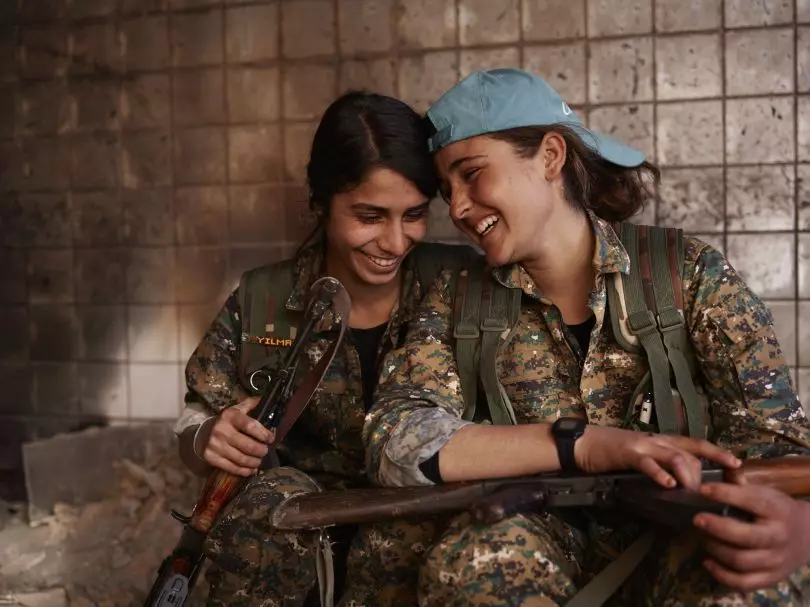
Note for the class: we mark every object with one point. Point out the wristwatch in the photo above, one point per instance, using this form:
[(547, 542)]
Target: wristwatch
[(566, 431)]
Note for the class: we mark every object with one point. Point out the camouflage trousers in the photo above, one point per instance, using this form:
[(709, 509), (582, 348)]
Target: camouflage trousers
[(253, 564), (541, 560)]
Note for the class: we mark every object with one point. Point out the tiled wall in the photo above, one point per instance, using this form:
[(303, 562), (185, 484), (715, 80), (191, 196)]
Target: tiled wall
[(152, 149)]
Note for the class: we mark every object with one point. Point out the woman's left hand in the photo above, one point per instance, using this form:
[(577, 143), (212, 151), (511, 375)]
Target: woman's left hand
[(754, 555)]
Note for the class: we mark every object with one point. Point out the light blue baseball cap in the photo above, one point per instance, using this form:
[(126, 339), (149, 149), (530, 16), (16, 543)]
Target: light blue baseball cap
[(500, 99)]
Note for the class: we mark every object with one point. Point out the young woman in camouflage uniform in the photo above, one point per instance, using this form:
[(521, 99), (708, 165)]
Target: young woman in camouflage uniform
[(536, 190), (371, 179)]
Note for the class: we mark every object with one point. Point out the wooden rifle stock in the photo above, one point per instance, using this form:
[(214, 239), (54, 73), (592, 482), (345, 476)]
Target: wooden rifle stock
[(493, 499)]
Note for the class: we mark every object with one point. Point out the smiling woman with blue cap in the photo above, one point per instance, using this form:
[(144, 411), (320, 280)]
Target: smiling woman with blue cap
[(587, 344)]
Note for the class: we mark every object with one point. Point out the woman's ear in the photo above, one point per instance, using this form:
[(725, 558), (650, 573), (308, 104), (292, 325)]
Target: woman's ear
[(552, 154)]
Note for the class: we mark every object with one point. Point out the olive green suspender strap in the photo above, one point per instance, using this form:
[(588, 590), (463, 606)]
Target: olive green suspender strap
[(647, 310), (466, 332), (666, 246), (500, 308), (484, 312)]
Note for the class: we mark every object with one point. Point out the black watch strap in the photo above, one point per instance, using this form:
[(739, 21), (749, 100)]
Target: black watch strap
[(565, 451), (566, 431)]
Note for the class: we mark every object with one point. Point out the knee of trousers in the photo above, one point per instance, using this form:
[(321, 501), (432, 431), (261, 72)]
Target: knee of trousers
[(244, 530), (515, 552)]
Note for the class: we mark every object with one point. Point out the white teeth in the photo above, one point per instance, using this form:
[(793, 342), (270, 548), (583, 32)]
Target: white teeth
[(383, 262), (485, 225)]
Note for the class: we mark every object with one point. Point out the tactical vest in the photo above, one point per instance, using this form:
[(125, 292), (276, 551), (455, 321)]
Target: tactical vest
[(646, 315), (269, 327)]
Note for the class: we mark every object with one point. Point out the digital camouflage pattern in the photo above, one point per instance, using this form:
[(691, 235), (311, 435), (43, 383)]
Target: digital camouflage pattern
[(255, 565), (752, 403), (252, 564)]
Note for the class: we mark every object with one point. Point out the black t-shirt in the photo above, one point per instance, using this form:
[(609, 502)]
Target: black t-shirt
[(582, 332), (367, 342)]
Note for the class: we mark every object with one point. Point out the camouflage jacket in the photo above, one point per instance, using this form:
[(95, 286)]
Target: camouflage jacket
[(326, 440), (752, 402)]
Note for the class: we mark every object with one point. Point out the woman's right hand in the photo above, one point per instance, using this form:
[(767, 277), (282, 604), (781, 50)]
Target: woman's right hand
[(237, 443), (667, 459)]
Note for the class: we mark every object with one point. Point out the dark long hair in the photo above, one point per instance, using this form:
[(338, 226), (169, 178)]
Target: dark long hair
[(358, 132), (612, 192)]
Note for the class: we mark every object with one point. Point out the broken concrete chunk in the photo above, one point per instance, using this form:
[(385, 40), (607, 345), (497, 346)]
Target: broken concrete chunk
[(79, 467)]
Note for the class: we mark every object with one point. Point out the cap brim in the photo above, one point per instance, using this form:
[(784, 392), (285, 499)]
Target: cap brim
[(610, 149)]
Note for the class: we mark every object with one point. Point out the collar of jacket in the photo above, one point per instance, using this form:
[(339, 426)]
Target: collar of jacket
[(309, 266), (609, 257)]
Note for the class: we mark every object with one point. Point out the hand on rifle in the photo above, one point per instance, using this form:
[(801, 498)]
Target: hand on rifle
[(237, 443), (748, 556), (667, 459)]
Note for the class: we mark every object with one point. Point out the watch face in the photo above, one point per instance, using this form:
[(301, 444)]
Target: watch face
[(569, 427)]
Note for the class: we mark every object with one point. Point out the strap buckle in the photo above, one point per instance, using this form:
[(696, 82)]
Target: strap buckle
[(670, 319), (497, 324), (465, 330), (642, 323)]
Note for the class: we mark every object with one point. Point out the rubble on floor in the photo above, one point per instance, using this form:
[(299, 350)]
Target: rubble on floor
[(105, 552)]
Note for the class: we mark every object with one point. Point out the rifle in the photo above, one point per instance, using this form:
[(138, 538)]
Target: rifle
[(278, 409), (492, 500)]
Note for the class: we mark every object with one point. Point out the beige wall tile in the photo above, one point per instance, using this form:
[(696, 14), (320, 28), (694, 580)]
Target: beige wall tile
[(630, 124), (620, 70), (619, 17), (365, 25), (759, 62), (745, 13), (251, 33), (427, 24), (562, 65), (308, 90), (687, 15), (760, 198), (773, 280), (487, 22), (690, 133), (422, 79), (553, 19), (307, 28), (692, 199), (254, 153), (759, 130), (688, 66)]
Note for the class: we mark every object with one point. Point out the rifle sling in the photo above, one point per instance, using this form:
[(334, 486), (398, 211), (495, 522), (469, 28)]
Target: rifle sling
[(601, 588), (301, 397)]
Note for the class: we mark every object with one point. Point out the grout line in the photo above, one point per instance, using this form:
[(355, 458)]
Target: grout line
[(723, 105), (173, 196), (521, 42), (796, 239), (654, 46), (226, 79)]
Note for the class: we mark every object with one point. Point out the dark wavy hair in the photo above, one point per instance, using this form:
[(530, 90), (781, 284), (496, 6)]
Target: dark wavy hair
[(612, 192), (358, 132)]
